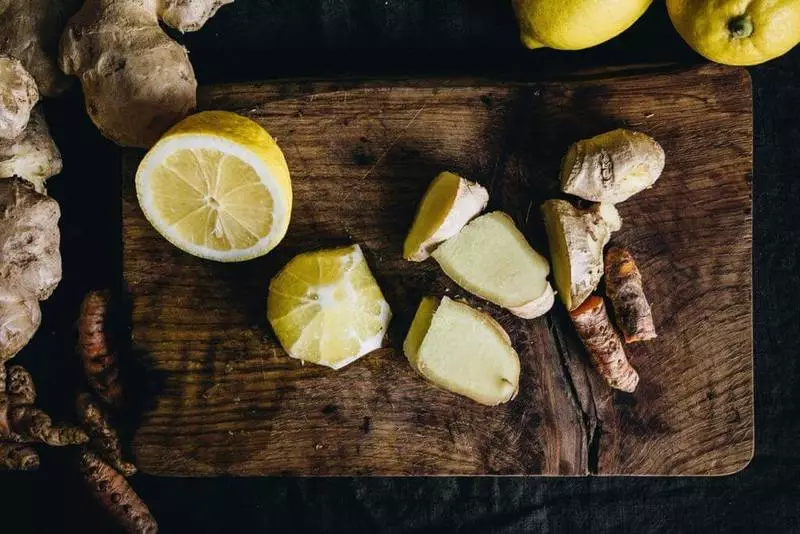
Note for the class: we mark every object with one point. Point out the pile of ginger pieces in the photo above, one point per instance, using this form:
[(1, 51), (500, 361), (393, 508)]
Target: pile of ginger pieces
[(487, 256), (137, 82)]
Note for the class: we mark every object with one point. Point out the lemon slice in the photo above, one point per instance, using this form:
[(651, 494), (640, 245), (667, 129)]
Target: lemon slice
[(217, 186), (326, 307)]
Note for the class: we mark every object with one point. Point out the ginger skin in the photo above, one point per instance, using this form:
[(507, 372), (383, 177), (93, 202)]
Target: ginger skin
[(103, 437), (188, 15), (603, 344), (20, 318), (30, 261), (576, 239), (137, 81), (34, 156), (99, 361), (612, 167), (116, 496), (18, 95), (626, 293), (29, 31)]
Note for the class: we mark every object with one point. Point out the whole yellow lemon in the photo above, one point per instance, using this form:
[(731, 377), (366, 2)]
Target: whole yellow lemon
[(737, 32), (575, 24)]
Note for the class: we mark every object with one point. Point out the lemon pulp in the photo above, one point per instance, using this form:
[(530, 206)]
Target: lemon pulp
[(326, 307)]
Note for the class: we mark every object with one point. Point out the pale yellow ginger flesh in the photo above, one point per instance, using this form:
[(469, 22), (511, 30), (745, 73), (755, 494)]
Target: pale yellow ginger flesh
[(18, 95), (188, 15), (137, 82), (34, 156), (492, 259), (612, 167), (576, 238), (449, 203), (463, 351)]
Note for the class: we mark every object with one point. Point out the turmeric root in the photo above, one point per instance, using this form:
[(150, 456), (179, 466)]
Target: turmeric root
[(16, 457), (31, 424), (21, 390), (99, 361), (624, 289), (114, 493), (603, 344), (103, 437), (612, 167)]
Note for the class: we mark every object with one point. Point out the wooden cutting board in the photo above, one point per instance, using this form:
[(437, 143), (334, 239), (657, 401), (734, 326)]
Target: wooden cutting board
[(225, 399)]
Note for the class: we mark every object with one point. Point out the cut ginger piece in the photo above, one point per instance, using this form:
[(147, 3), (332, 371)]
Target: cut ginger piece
[(449, 203), (576, 238), (326, 307), (462, 350), (492, 259)]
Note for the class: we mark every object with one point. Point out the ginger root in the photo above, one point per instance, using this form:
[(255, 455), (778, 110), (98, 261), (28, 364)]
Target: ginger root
[(137, 81), (114, 493), (463, 350), (612, 167), (603, 344), (104, 438), (19, 320), (33, 156), (491, 258), (30, 260), (29, 31), (18, 95), (450, 202), (576, 238), (188, 15), (16, 457), (94, 348)]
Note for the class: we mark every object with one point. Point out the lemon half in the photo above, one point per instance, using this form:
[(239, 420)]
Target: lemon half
[(326, 307), (217, 186)]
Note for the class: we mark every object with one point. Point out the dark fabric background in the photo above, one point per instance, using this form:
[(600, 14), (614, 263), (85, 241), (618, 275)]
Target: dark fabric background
[(260, 39)]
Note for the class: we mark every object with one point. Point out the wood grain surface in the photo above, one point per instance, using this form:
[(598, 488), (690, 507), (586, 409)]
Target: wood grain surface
[(223, 398)]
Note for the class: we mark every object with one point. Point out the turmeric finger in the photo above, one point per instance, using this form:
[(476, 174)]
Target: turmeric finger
[(16, 457), (603, 344), (21, 391), (624, 289), (103, 437), (114, 493), (31, 424), (99, 362)]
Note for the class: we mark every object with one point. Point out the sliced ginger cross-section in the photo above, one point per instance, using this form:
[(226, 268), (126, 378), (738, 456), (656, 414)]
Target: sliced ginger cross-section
[(492, 259), (449, 203), (463, 350)]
